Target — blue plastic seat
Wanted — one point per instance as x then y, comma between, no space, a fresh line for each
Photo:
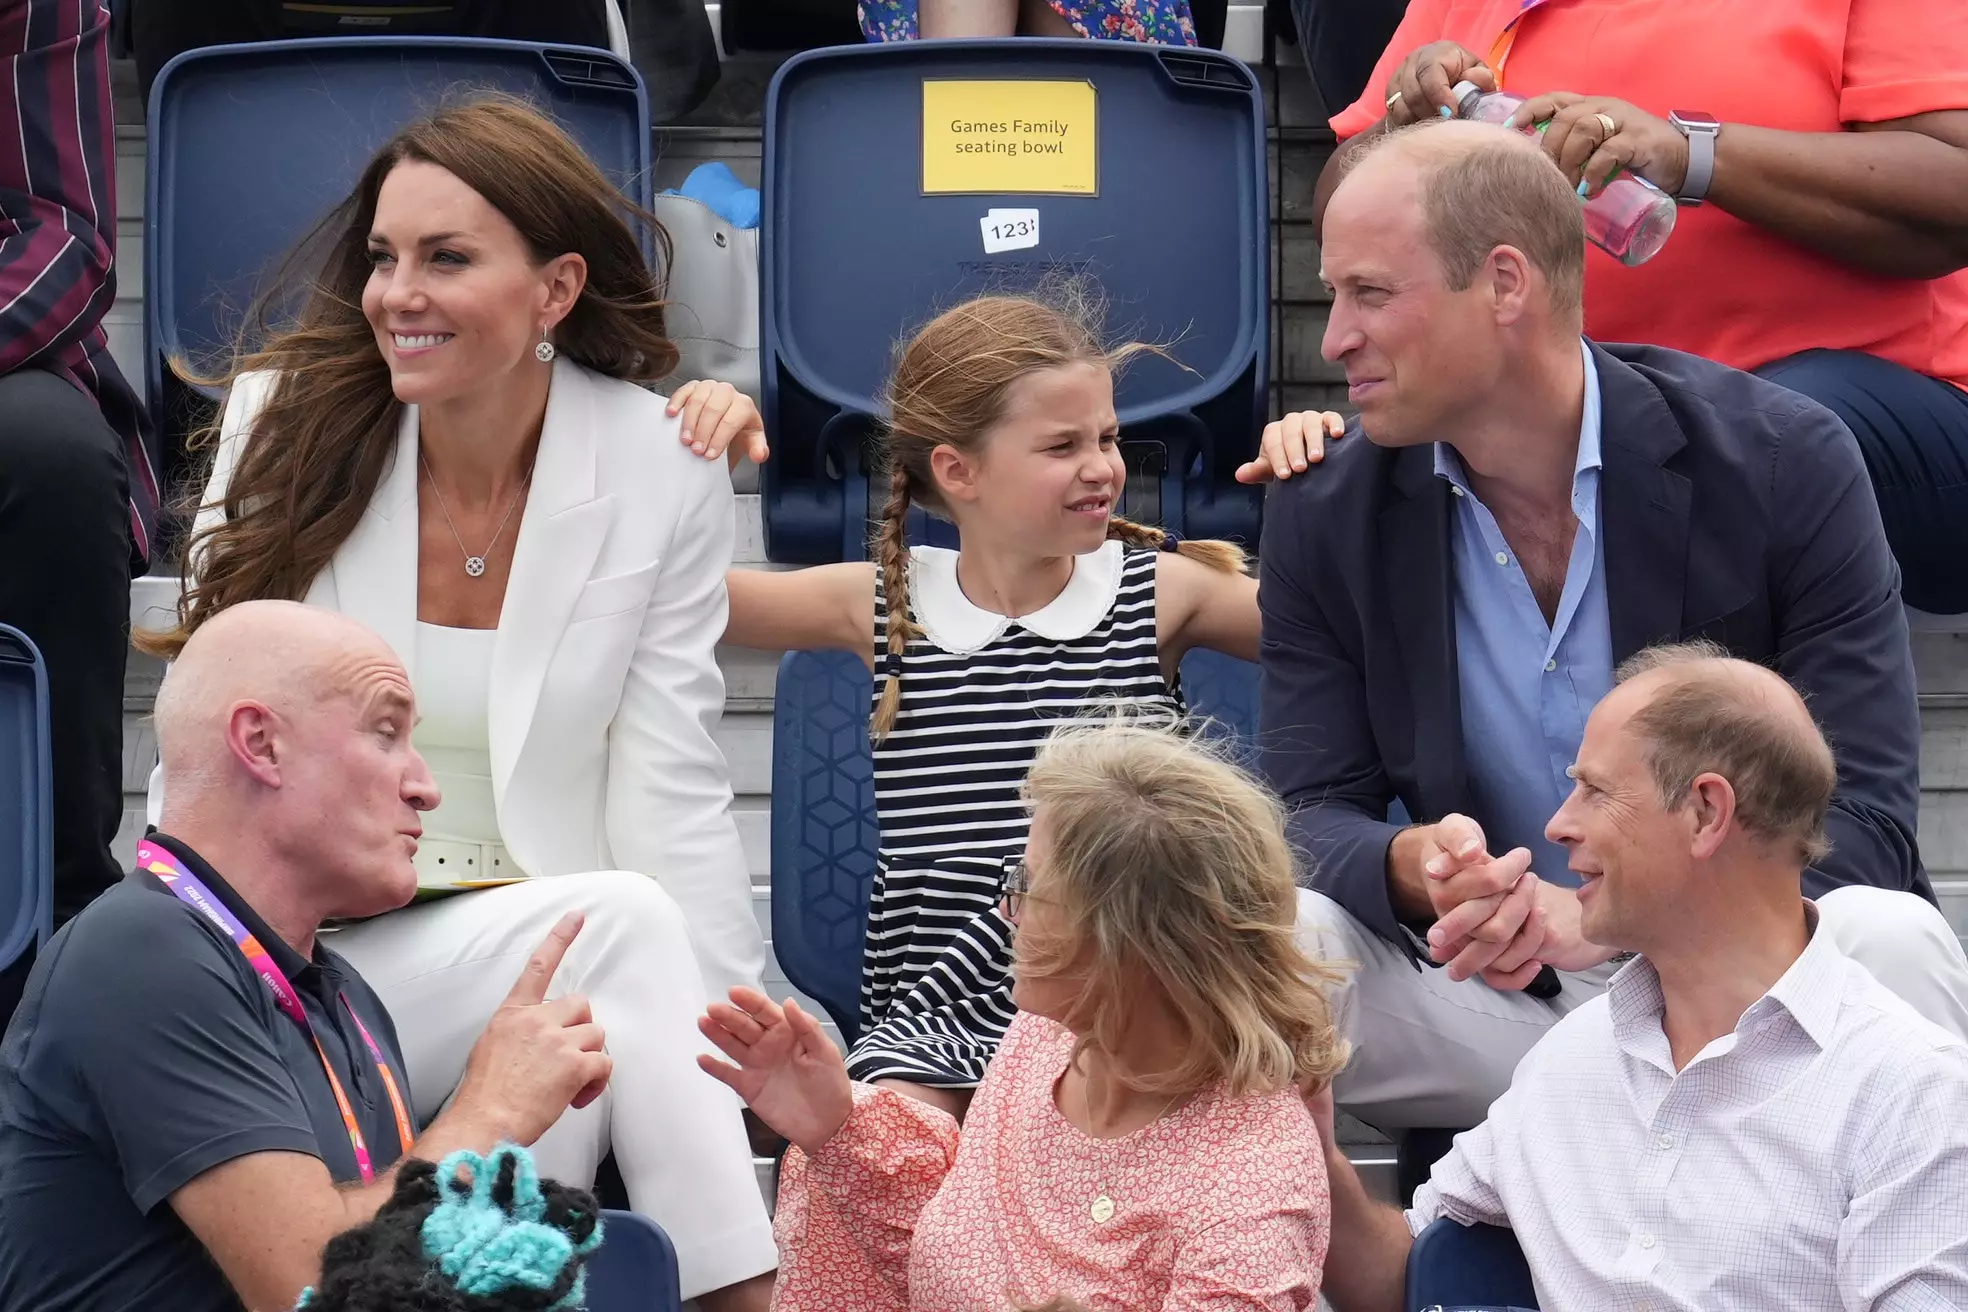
27,856
635,1269
854,256
1454,1265
824,832
251,145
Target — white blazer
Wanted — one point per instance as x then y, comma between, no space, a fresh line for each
605,686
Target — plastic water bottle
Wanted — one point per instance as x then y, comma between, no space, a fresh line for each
1629,219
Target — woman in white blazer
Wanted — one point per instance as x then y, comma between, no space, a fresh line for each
452,447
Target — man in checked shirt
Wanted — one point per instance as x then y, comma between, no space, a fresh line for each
78,488
1745,1119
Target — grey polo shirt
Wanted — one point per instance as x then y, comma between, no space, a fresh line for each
144,1053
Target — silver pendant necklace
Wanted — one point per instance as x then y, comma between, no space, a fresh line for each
474,565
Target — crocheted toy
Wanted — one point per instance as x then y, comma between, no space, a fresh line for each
470,1234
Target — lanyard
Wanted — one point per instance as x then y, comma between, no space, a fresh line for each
1500,48
189,889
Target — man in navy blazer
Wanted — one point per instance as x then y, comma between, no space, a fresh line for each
1444,604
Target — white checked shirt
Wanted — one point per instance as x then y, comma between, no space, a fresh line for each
1815,1158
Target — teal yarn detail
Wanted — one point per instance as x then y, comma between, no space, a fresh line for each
577,1297
487,1232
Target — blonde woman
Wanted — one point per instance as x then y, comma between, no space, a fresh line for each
1142,1139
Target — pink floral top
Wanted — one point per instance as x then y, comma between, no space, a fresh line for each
1219,1206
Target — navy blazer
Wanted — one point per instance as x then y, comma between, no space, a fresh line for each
1733,510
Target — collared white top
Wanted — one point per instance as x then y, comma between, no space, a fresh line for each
1814,1158
959,625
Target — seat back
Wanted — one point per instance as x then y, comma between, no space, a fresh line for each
872,225
823,827
1221,692
1453,1265
824,831
635,1269
251,145
27,858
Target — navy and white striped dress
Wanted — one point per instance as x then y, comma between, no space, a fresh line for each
980,694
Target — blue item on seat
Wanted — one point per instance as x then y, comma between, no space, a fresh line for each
635,1269
27,854
855,256
824,831
251,145
721,191
1455,1265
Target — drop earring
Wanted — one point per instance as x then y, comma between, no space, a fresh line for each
544,352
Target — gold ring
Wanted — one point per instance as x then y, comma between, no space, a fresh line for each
1606,122
1394,100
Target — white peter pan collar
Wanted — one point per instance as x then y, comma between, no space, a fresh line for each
958,625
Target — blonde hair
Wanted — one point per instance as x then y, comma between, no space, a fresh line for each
948,389
1171,863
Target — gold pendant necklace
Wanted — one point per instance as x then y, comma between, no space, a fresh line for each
1103,1206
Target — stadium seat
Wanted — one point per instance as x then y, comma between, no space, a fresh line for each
635,1269
27,860
1453,1265
823,810
251,145
1166,213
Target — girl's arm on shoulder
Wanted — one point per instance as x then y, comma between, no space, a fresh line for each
825,607
1196,606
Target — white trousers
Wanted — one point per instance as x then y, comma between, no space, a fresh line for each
1429,1052
442,968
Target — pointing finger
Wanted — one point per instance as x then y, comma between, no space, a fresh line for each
531,987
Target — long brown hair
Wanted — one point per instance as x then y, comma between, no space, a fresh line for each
1168,862
319,448
948,389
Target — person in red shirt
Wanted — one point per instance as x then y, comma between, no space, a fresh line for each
1819,149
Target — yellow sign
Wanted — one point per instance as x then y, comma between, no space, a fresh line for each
1019,137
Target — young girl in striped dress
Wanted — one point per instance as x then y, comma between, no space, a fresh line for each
1001,420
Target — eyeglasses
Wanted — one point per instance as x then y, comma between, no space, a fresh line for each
1017,884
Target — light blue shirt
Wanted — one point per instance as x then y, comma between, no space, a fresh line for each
1527,686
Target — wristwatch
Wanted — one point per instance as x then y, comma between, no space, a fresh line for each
1700,128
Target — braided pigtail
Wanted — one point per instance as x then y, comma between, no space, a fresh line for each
1224,557
892,558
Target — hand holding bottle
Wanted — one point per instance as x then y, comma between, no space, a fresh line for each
1421,86
1639,143
1627,216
